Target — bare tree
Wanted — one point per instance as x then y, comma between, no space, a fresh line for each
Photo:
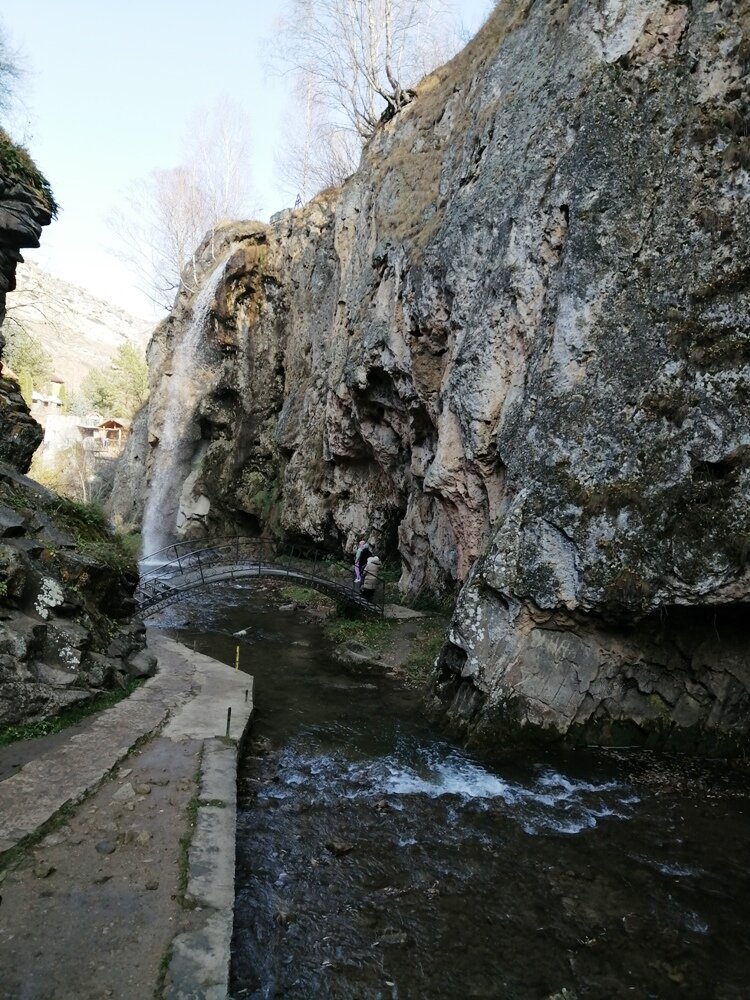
354,62
166,215
365,54
316,153
218,155
160,224
10,74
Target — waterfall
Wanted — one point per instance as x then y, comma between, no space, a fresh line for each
173,451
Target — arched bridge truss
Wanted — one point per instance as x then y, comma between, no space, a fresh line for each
170,573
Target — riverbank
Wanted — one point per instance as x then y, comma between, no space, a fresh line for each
116,872
117,835
403,644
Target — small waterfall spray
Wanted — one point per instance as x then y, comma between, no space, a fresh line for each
173,451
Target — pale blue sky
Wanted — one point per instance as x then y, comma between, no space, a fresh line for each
108,88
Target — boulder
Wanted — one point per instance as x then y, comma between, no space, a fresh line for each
143,664
14,571
12,523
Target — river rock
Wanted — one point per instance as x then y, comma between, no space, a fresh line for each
339,848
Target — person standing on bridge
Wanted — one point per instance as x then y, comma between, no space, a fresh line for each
370,578
361,556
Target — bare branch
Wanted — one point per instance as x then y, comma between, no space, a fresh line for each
166,215
349,57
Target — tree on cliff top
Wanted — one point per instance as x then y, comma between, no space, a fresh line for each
9,73
15,161
166,214
354,61
363,53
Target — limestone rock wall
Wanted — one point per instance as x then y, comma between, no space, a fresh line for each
23,213
65,600
65,584
514,349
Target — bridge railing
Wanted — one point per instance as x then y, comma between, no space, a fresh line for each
162,571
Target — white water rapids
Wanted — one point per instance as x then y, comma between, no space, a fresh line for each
172,454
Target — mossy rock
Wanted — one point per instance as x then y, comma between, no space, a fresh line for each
16,164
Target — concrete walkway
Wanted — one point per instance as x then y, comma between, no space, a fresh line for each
101,823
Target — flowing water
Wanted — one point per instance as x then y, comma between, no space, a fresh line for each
172,454
378,859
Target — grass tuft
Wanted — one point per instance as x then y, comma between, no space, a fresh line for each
68,717
368,632
16,162
191,818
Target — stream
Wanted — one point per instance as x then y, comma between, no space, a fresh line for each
376,858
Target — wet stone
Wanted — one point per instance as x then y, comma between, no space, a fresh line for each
339,848
396,938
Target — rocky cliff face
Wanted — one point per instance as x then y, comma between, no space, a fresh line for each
24,210
65,583
514,349
65,598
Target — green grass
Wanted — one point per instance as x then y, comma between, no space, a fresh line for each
369,633
68,717
15,498
419,663
191,818
83,518
161,978
131,544
390,577
17,163
113,554
88,525
430,603
303,595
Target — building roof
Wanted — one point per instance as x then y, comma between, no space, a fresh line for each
91,421
115,422
39,397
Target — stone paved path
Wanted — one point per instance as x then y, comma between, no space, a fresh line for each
96,906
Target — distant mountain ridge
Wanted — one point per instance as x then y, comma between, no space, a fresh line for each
77,329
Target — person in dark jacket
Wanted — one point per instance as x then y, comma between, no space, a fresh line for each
360,559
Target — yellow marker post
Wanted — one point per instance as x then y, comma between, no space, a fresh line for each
237,658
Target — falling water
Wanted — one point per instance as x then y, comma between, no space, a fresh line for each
173,451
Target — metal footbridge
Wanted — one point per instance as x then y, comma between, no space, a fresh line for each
170,573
